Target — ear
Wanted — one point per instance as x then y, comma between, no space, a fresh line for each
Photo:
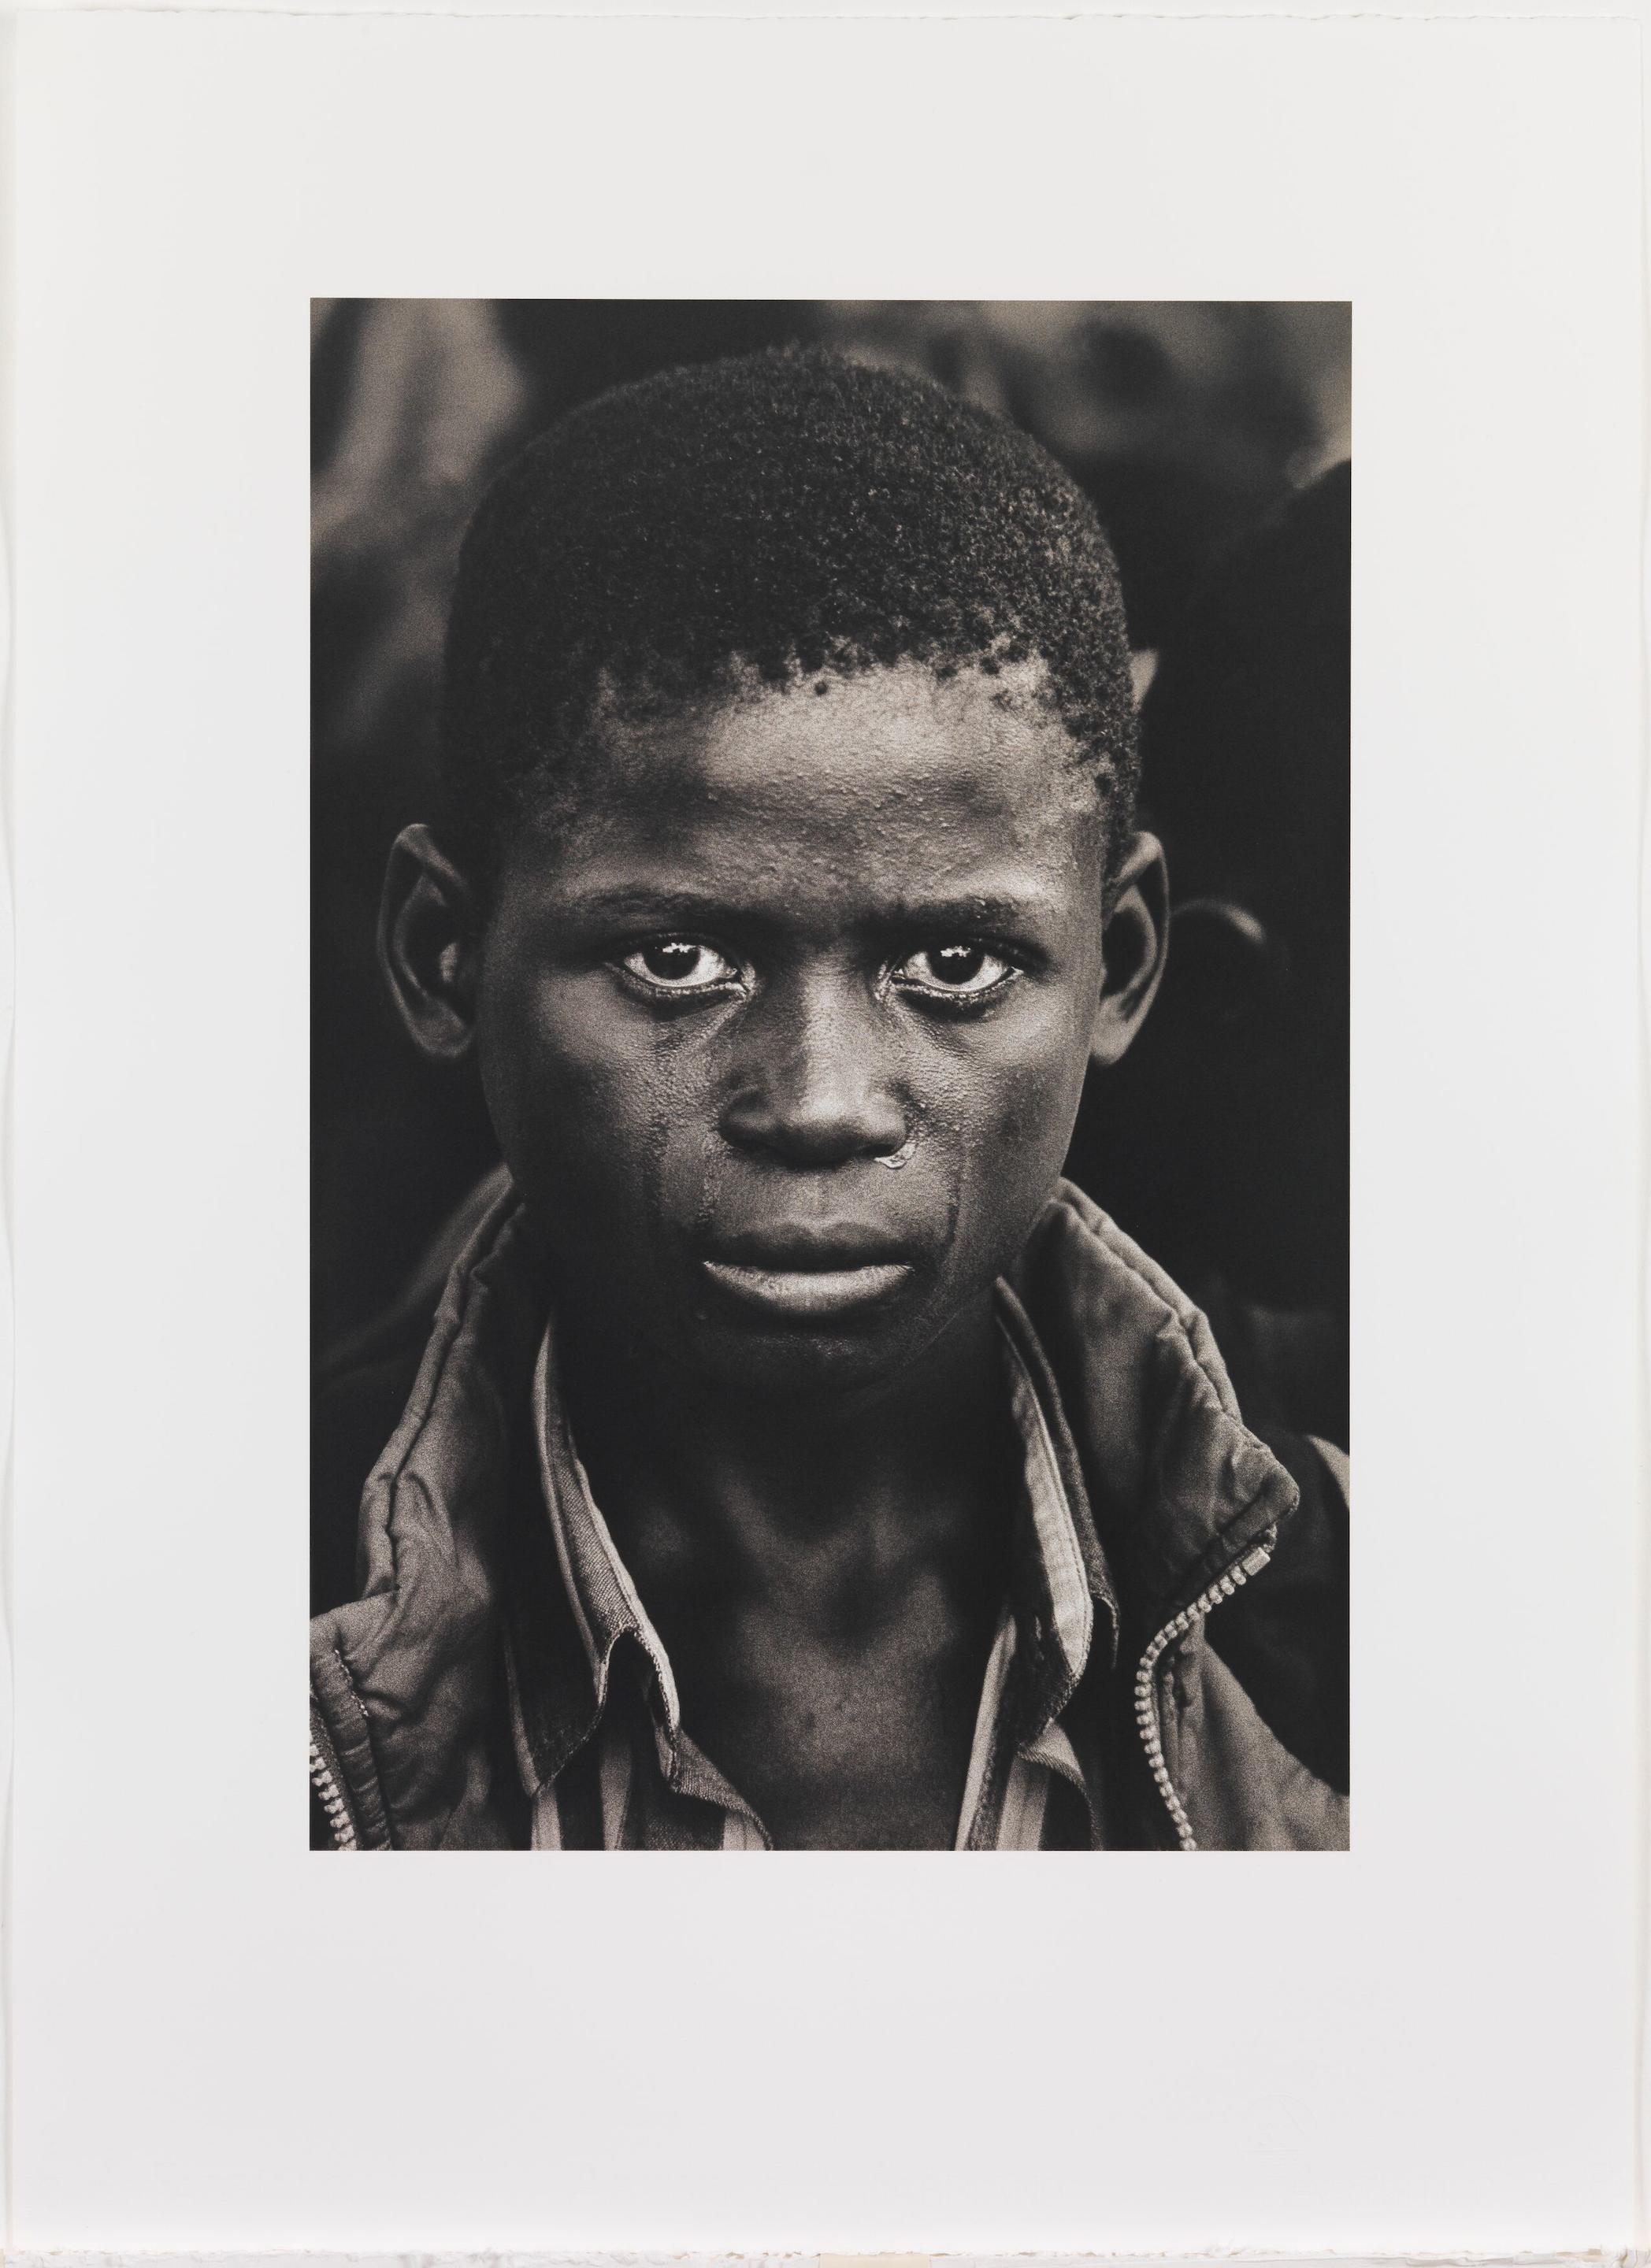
430,945
1133,945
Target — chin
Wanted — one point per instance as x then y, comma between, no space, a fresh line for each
804,1356
802,1367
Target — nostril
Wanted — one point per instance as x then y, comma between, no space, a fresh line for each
820,1129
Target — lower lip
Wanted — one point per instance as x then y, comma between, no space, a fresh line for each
809,1292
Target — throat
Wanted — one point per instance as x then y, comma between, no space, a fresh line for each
845,1485
827,1579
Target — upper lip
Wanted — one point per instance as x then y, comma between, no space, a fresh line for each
785,1247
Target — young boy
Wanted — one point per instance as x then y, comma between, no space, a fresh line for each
795,1461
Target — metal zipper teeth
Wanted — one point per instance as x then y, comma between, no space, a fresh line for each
1146,1717
333,1804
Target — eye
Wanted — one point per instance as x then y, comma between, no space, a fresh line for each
958,972
680,964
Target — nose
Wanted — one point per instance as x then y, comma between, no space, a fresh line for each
812,1079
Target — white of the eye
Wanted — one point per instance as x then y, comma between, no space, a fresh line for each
690,980
991,972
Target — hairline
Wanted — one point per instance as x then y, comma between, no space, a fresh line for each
627,704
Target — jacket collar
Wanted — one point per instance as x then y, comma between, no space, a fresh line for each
1179,1488
1141,1426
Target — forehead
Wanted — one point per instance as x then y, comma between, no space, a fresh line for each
888,774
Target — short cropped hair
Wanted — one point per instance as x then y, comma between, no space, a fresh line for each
782,517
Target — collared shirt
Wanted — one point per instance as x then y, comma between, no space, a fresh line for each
608,1764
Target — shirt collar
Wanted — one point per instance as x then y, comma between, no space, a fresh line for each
1053,1607
605,1608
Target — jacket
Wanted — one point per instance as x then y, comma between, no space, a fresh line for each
1222,1550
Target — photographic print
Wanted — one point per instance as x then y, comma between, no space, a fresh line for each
752,1026
830,1137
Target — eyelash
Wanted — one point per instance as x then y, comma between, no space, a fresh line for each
949,998
662,991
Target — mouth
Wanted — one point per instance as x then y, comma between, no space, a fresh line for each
807,1274
809,1293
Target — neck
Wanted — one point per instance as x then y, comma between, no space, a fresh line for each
684,1470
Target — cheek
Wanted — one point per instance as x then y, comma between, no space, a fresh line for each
593,1109
1009,1113
1038,1071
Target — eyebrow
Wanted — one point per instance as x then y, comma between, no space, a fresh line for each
963,910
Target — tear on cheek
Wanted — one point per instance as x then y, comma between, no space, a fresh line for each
902,1156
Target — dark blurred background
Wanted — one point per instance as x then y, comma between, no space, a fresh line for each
1212,438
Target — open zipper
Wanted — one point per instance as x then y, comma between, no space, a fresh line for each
334,1802
335,1806
1147,1721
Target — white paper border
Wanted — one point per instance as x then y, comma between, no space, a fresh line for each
144,2067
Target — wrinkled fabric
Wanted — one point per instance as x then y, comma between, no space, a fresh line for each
431,1740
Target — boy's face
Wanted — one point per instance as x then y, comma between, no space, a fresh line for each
783,1030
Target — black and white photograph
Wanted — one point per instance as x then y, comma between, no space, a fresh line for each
828,837
830,1109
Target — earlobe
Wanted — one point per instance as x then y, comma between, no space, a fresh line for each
427,940
1135,940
